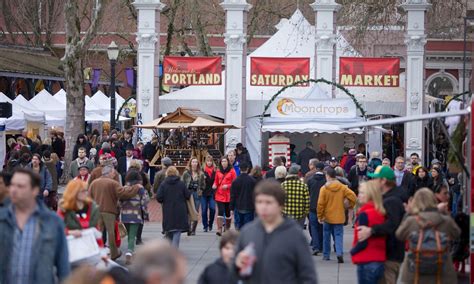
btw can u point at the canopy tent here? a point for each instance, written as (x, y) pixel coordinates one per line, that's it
(20, 115)
(25, 104)
(48, 104)
(186, 118)
(94, 111)
(272, 124)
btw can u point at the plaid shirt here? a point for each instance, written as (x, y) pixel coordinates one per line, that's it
(297, 198)
(20, 262)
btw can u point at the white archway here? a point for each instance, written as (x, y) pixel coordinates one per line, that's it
(442, 74)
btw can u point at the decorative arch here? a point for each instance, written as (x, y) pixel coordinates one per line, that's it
(443, 74)
(340, 87)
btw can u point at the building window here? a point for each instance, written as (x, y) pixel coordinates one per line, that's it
(440, 87)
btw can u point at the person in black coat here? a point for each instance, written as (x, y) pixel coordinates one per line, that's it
(304, 156)
(243, 155)
(218, 272)
(81, 142)
(277, 161)
(123, 163)
(315, 183)
(172, 194)
(149, 153)
(422, 179)
(241, 197)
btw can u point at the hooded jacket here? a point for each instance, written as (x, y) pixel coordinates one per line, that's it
(315, 183)
(331, 202)
(444, 224)
(282, 256)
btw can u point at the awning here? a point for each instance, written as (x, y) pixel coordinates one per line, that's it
(309, 126)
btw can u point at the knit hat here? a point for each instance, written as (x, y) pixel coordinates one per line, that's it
(383, 172)
(294, 170)
(166, 161)
(93, 151)
(320, 166)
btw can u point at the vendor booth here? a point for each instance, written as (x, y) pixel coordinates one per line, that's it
(186, 133)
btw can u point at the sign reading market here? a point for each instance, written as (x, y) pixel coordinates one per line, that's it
(278, 71)
(369, 72)
(184, 71)
(303, 108)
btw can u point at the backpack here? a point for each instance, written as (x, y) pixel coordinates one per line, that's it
(428, 251)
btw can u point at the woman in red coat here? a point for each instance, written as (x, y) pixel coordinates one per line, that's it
(225, 175)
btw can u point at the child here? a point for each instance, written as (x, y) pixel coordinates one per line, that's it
(369, 255)
(218, 272)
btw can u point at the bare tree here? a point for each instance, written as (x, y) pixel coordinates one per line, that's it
(77, 43)
(31, 22)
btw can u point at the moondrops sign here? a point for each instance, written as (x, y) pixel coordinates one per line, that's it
(302, 108)
(278, 71)
(369, 72)
(192, 70)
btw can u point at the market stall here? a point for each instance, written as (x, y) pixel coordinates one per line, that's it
(187, 133)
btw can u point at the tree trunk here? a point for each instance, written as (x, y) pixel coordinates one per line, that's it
(75, 105)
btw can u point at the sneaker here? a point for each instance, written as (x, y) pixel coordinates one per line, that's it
(326, 258)
(205, 230)
(340, 259)
(210, 229)
(315, 252)
(139, 242)
(128, 258)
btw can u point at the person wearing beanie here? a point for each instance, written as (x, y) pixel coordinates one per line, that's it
(297, 196)
(106, 148)
(161, 175)
(350, 161)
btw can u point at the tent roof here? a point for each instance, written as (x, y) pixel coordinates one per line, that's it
(185, 118)
(311, 126)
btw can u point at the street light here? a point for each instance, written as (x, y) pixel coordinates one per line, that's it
(112, 53)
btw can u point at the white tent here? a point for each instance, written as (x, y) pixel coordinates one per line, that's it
(48, 104)
(20, 115)
(28, 107)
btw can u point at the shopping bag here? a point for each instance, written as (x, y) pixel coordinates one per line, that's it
(193, 215)
(85, 247)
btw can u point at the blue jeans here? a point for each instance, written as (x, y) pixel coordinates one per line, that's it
(316, 230)
(207, 202)
(328, 230)
(241, 219)
(174, 238)
(197, 202)
(370, 273)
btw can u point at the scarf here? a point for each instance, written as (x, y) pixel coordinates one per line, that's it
(79, 163)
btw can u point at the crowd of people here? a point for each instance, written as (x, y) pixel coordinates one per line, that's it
(400, 213)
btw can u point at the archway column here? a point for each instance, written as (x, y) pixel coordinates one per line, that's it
(148, 59)
(235, 70)
(415, 40)
(325, 12)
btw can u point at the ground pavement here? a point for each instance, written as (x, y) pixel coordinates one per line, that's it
(202, 249)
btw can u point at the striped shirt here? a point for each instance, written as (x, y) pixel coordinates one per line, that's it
(20, 262)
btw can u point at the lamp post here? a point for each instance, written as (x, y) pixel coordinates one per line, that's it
(112, 53)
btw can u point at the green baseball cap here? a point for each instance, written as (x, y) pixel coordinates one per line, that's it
(383, 172)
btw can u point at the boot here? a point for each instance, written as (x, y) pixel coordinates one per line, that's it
(193, 228)
(219, 220)
(228, 222)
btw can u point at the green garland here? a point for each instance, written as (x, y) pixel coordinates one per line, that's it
(124, 103)
(356, 102)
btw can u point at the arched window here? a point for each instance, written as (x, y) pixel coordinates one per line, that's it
(441, 84)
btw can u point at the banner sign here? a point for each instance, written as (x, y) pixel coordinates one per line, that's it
(278, 71)
(303, 108)
(186, 71)
(369, 72)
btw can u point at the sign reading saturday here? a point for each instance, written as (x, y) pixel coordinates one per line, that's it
(303, 108)
(278, 71)
(184, 71)
(369, 72)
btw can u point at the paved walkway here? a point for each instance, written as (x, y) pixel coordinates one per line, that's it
(202, 249)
